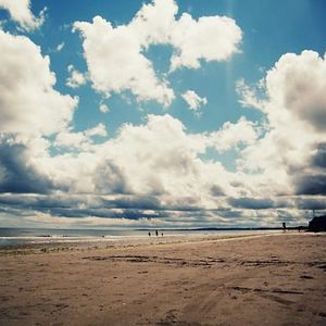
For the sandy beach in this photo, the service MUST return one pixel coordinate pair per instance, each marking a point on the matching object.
(276, 279)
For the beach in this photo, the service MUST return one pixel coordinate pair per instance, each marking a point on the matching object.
(267, 279)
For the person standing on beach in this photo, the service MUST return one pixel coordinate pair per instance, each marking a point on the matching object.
(156, 233)
(149, 234)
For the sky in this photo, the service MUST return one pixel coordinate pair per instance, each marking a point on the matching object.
(162, 113)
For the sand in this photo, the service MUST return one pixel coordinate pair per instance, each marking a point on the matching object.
(254, 280)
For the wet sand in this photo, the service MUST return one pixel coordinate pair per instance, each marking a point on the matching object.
(254, 280)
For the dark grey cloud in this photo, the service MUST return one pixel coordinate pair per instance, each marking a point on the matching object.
(109, 179)
(130, 214)
(135, 202)
(251, 203)
(16, 176)
(217, 191)
(319, 159)
(80, 206)
(310, 203)
(313, 184)
(229, 213)
(180, 212)
(311, 180)
(75, 207)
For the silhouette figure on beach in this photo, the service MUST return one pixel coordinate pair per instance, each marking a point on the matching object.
(156, 233)
(149, 234)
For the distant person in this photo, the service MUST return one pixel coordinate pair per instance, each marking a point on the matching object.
(284, 226)
(162, 234)
(149, 234)
(156, 233)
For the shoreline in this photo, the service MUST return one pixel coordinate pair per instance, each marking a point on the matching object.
(122, 241)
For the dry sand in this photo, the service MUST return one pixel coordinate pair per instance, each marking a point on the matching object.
(265, 280)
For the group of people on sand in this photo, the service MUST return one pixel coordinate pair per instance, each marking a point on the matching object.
(156, 233)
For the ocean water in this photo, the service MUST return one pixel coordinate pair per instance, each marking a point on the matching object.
(21, 236)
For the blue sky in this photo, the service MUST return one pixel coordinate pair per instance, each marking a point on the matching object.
(203, 112)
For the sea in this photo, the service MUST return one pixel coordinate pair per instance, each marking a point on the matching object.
(11, 237)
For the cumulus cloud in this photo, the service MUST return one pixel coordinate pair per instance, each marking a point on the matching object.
(20, 12)
(76, 78)
(213, 38)
(80, 140)
(99, 130)
(194, 101)
(210, 38)
(298, 84)
(18, 173)
(293, 88)
(161, 158)
(295, 110)
(116, 56)
(232, 134)
(29, 104)
(31, 110)
(168, 166)
(116, 64)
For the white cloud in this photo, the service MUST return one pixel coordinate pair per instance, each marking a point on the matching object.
(116, 64)
(20, 11)
(213, 38)
(249, 95)
(104, 108)
(210, 38)
(82, 140)
(232, 134)
(169, 164)
(72, 140)
(291, 90)
(29, 104)
(76, 78)
(60, 47)
(154, 21)
(194, 101)
(116, 55)
(294, 105)
(296, 85)
(99, 130)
